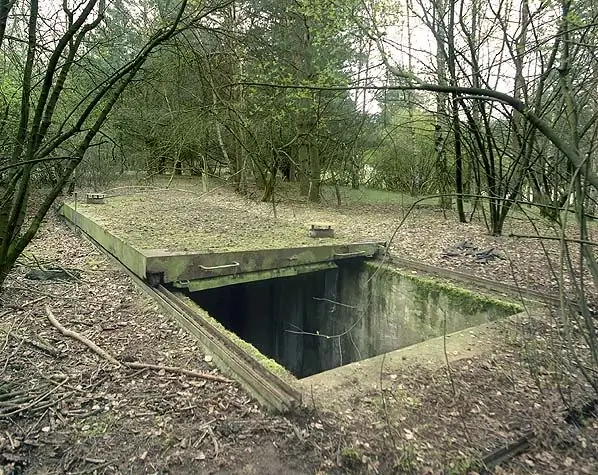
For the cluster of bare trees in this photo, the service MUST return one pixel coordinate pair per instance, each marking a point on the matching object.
(62, 74)
(519, 145)
(516, 112)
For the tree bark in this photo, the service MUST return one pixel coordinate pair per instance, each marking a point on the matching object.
(442, 175)
(456, 124)
(316, 171)
(5, 8)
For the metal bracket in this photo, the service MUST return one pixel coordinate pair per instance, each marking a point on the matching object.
(225, 266)
(348, 254)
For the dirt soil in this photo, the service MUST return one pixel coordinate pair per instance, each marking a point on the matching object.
(65, 409)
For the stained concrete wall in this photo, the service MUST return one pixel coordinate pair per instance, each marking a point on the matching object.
(314, 322)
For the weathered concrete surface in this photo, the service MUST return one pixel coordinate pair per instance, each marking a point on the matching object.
(162, 266)
(246, 277)
(182, 266)
(335, 389)
(131, 257)
(501, 289)
(215, 222)
(315, 322)
(387, 309)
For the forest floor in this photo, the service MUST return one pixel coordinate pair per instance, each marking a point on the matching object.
(64, 409)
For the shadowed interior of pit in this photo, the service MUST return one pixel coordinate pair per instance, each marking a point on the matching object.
(321, 320)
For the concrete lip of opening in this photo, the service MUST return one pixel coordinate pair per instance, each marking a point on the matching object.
(322, 320)
(334, 390)
(251, 260)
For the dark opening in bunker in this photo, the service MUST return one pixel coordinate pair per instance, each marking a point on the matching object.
(321, 320)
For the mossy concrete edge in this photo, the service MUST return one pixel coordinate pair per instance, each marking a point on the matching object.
(455, 292)
(333, 388)
(267, 363)
(128, 255)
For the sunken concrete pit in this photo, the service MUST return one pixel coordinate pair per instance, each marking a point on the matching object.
(322, 320)
(305, 320)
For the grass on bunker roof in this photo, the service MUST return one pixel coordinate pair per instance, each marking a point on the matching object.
(77, 414)
(177, 216)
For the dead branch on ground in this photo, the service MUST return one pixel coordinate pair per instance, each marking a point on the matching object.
(174, 369)
(38, 344)
(14, 404)
(133, 365)
(80, 338)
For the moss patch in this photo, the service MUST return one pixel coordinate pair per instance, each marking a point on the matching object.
(470, 302)
(173, 222)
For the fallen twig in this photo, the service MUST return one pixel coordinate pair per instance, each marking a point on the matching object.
(215, 441)
(503, 454)
(35, 401)
(69, 273)
(31, 302)
(4, 396)
(134, 365)
(38, 344)
(77, 336)
(54, 402)
(14, 401)
(30, 288)
(39, 265)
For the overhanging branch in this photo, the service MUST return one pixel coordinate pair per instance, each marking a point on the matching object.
(569, 151)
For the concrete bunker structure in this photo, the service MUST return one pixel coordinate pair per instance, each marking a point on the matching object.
(279, 318)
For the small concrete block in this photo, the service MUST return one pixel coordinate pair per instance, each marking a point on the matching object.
(95, 198)
(321, 230)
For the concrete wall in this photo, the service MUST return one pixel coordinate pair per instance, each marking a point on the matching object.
(393, 310)
(322, 320)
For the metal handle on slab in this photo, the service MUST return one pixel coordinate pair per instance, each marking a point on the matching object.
(349, 254)
(225, 266)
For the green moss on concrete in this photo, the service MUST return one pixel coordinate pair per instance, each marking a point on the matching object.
(127, 254)
(469, 302)
(268, 363)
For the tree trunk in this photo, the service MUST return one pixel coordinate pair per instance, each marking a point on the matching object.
(456, 124)
(442, 175)
(458, 160)
(354, 174)
(315, 173)
(303, 163)
(308, 159)
(269, 184)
